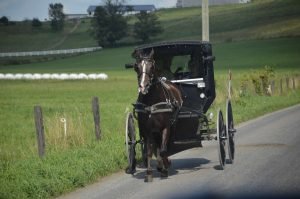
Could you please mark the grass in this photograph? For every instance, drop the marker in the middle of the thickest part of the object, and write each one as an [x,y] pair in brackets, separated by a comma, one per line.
[22,37]
[78,159]
[72,100]
[278,53]
[234,55]
[258,20]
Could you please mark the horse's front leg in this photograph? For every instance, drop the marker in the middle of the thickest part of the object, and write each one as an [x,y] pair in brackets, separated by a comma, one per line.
[164,141]
[149,176]
[159,160]
[163,152]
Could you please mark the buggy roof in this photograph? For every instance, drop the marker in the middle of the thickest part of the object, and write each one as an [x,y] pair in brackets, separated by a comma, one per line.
[171,48]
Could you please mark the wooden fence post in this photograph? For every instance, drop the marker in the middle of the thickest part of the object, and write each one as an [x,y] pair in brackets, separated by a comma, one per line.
[280,86]
[96,112]
[287,83]
[294,85]
[39,125]
[229,84]
[273,86]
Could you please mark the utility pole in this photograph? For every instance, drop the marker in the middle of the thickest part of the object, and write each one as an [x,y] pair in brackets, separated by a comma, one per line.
[205,21]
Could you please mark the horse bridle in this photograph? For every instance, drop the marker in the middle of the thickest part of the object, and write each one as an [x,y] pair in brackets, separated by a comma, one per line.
[150,76]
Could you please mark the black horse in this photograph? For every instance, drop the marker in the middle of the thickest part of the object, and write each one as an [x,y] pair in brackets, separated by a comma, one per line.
[157,108]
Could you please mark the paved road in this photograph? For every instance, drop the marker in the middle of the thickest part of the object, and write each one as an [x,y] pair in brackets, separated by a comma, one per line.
[267,164]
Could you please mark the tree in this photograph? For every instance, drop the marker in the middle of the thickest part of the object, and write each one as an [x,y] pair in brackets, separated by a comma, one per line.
[147,26]
[36,23]
[108,23]
[4,20]
[56,16]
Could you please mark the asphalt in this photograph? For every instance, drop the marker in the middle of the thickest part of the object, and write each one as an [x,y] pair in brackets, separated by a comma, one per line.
[266,165]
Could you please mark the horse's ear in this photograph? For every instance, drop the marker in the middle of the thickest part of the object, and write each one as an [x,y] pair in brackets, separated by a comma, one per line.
[151,53]
[137,54]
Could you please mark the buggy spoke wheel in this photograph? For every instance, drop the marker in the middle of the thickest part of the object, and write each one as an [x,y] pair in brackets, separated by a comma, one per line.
[130,142]
[230,131]
[221,137]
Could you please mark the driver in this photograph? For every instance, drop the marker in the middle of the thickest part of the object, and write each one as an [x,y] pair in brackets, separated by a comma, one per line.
[192,65]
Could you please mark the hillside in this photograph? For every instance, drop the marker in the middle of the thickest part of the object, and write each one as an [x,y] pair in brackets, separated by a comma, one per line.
[257,20]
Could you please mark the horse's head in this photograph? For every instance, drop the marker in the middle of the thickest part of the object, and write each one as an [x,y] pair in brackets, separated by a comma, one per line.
[145,69]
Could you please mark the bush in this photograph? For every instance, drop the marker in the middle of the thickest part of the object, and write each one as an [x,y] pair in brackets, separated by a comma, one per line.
[260,80]
[4,20]
[36,23]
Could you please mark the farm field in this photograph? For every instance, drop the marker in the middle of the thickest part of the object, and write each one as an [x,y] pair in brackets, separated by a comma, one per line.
[78,159]
[258,20]
[280,53]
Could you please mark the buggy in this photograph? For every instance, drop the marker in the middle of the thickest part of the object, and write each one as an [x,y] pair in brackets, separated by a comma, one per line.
[189,65]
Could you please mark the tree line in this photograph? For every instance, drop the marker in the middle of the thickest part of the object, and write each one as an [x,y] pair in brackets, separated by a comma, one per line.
[108,24]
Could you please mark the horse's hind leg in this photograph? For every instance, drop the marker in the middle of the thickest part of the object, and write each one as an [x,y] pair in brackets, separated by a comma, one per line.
[149,177]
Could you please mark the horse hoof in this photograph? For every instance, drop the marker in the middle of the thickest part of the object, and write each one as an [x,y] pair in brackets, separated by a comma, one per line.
[169,162]
[129,170]
[163,153]
[159,169]
[148,178]
[164,173]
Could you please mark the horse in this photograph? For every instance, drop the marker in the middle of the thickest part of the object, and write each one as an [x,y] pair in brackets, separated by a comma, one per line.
[158,105]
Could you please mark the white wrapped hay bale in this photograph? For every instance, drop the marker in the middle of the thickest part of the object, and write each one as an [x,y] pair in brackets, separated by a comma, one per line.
[19,76]
[82,76]
[73,76]
[102,76]
[63,76]
[28,76]
[46,76]
[9,76]
[37,76]
[92,76]
[54,76]
[1,76]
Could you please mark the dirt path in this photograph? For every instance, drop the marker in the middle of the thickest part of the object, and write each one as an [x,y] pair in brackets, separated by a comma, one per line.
[60,42]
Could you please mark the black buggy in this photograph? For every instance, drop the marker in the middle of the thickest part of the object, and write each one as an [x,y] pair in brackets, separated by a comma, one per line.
[188,64]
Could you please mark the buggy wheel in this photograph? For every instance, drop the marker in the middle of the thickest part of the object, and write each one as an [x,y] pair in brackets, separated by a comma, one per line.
[230,131]
[130,142]
[221,137]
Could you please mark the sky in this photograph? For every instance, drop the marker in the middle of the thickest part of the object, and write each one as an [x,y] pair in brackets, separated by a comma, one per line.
[18,10]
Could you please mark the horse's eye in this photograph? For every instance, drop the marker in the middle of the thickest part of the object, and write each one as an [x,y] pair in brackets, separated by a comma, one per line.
[153,68]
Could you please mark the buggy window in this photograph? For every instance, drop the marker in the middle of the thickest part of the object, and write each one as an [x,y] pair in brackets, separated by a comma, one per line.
[180,62]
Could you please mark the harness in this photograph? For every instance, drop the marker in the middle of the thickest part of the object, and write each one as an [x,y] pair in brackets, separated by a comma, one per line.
[171,105]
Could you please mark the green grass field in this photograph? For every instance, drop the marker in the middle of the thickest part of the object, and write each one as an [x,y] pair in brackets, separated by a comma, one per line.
[235,55]
[78,159]
[258,20]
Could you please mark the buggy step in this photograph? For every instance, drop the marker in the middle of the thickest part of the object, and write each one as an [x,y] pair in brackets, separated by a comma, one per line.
[188,141]
[232,130]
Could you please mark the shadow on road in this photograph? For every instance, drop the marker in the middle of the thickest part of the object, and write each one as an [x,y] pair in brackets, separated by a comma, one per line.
[177,165]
